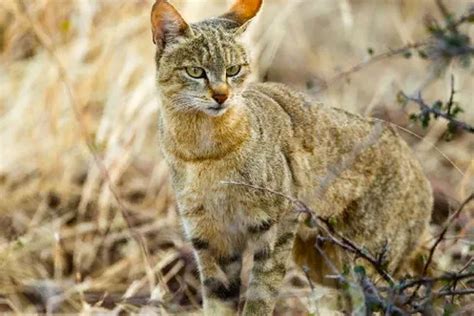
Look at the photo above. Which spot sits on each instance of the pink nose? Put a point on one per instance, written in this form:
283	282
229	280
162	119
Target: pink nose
220	98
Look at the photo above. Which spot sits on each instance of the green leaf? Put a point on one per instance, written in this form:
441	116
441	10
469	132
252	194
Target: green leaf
309	222
465	61
449	309
425	119
360	270
437	105
401	99
452	127
345	269
470	19
422	54
456	110
448	136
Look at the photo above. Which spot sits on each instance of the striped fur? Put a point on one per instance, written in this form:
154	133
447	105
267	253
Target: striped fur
355	170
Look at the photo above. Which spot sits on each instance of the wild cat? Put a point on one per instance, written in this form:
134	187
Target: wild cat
215	127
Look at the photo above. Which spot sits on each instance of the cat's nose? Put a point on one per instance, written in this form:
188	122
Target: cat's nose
220	97
220	92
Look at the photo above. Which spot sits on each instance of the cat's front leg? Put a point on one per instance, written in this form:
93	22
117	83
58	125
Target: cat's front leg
219	265
220	277
271	257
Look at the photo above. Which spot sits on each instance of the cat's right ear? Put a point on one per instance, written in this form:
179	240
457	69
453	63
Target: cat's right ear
166	24
242	11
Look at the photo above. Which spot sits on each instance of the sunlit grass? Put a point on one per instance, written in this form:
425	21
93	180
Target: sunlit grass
79	73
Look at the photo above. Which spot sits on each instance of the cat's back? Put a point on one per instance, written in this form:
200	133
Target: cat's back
323	136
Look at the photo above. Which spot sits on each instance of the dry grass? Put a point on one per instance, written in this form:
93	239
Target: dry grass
78	147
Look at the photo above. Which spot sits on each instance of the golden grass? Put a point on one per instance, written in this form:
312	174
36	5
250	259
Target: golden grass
77	77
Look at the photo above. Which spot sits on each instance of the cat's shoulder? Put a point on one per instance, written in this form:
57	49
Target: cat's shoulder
288	98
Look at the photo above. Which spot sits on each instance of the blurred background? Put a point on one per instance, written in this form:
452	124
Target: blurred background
87	216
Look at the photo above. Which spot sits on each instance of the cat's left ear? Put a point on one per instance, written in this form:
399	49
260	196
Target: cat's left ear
166	23
242	12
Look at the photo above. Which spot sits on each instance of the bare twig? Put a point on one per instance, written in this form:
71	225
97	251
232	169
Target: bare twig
445	230
451	277
455	282
456	292
310	282
438	241
463	19
444	11
377	58
451	97
451	24
374	299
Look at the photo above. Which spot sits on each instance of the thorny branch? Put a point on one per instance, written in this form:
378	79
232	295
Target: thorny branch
450	277
427	109
445	230
377	58
397	288
445	44
430	43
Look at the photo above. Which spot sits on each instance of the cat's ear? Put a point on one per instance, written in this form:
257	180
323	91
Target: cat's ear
166	23
242	11
241	29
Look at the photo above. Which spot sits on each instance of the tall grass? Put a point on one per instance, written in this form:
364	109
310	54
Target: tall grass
80	171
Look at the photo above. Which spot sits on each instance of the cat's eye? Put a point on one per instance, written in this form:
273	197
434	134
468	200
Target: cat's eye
195	72
233	70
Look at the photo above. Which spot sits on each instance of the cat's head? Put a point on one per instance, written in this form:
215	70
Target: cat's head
202	66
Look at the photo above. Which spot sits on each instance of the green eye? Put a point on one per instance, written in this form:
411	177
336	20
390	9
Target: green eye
195	72
233	71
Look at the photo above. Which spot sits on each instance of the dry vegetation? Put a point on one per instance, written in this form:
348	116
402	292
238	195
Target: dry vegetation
87	217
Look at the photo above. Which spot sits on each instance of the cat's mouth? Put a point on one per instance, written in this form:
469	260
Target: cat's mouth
217	110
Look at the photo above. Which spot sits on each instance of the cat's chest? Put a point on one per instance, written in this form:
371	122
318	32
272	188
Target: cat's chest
214	188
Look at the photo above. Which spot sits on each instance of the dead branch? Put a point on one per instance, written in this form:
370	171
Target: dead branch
451	24
445	230
377	58
438	241
456	292
450	277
